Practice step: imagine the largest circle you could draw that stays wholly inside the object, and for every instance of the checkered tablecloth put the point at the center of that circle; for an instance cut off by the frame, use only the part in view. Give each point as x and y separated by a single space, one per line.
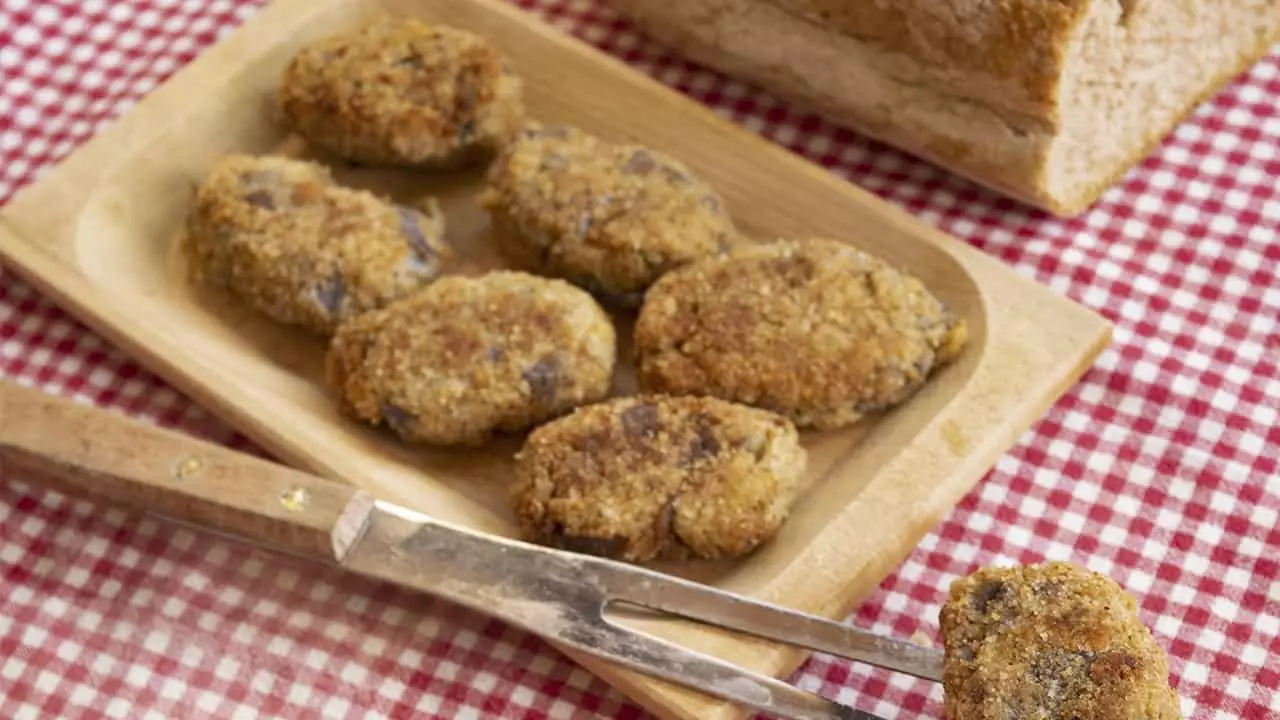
1159 468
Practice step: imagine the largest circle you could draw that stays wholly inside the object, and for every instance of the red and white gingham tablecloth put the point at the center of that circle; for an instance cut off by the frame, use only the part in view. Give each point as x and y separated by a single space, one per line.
1160 468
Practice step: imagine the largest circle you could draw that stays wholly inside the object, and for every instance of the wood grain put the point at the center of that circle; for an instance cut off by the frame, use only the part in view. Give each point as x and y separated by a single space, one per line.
88 452
99 234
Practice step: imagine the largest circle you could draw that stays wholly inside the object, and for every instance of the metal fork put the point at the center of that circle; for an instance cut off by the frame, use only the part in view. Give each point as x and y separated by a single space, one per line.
558 595
564 596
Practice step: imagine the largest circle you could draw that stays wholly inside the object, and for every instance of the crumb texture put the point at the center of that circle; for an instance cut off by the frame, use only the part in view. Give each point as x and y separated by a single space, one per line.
281 235
404 93
649 477
813 329
609 217
1050 642
469 357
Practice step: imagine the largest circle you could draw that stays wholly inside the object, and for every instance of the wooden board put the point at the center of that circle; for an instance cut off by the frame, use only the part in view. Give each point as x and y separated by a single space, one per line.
99 234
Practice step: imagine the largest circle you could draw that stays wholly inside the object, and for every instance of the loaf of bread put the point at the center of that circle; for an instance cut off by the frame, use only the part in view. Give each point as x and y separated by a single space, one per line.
1047 101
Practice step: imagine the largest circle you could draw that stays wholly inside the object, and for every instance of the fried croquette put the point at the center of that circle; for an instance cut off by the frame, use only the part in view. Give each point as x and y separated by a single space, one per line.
1050 641
608 217
279 233
815 330
651 477
469 357
403 93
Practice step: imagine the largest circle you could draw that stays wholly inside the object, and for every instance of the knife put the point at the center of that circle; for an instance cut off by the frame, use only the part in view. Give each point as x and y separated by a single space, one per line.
558 595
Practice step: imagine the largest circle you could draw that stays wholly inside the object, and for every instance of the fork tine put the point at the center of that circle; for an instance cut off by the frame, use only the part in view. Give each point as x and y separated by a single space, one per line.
562 596
658 658
763 620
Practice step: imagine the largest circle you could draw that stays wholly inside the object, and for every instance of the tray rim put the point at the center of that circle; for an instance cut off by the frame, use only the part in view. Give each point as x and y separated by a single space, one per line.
58 276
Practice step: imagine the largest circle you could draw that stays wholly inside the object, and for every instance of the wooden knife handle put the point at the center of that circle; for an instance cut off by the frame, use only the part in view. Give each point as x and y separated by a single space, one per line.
101 454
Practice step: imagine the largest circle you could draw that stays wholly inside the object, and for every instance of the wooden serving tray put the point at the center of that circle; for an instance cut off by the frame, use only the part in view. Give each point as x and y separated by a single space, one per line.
99 234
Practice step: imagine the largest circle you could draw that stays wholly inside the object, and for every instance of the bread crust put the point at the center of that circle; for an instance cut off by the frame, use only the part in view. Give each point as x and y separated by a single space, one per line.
1047 101
1016 47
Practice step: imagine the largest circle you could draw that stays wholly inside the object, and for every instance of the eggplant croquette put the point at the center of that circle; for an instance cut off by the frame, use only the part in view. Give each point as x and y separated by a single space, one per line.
650 477
280 234
1050 641
469 357
608 217
403 93
815 330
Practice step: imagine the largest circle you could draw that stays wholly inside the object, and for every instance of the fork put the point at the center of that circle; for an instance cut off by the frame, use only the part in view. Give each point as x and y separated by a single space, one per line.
558 595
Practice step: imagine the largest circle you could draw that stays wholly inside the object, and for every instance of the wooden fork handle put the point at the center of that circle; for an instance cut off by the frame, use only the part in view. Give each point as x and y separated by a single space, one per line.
96 453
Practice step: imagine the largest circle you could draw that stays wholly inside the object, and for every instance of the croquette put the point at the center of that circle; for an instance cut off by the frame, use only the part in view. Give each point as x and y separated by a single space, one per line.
281 235
609 217
813 329
403 93
1050 641
469 357
651 477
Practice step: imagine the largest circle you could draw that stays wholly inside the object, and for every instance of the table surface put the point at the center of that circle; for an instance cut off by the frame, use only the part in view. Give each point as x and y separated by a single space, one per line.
1158 468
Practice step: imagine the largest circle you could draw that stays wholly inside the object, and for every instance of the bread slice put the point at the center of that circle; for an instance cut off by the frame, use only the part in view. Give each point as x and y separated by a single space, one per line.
1048 101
